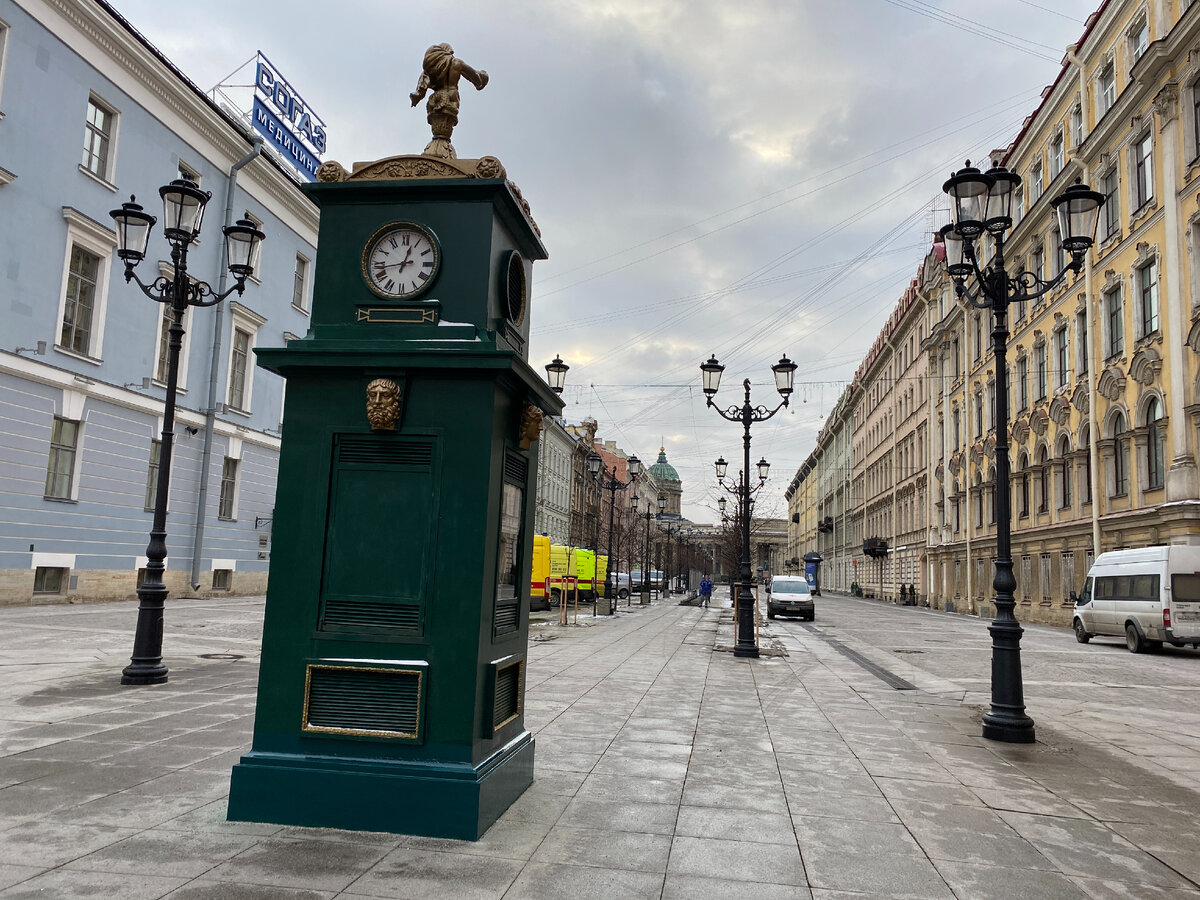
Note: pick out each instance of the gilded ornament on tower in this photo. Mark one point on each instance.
(441, 71)
(383, 404)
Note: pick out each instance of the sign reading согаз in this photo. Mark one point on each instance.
(284, 119)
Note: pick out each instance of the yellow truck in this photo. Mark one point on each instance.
(571, 563)
(539, 572)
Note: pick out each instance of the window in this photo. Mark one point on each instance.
(60, 468)
(241, 361)
(187, 173)
(992, 405)
(1196, 118)
(1116, 323)
(978, 414)
(1155, 445)
(1106, 90)
(1026, 576)
(300, 285)
(1035, 182)
(1023, 383)
(1061, 351)
(1039, 369)
(227, 508)
(83, 272)
(978, 337)
(1044, 561)
(1077, 125)
(3, 53)
(98, 134)
(1064, 483)
(152, 475)
(1143, 170)
(1112, 204)
(1086, 455)
(84, 296)
(1038, 261)
(1081, 342)
(238, 367)
(222, 579)
(957, 361)
(49, 580)
(1148, 292)
(1057, 154)
(1139, 39)
(1068, 573)
(1120, 456)
(162, 347)
(1023, 488)
(1043, 482)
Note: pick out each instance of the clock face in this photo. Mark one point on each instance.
(400, 260)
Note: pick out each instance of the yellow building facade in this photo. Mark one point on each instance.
(1103, 395)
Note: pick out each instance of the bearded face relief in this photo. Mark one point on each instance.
(383, 404)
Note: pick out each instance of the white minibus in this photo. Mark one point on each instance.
(1150, 595)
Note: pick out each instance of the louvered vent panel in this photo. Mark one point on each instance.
(384, 451)
(369, 614)
(507, 617)
(507, 702)
(363, 701)
(515, 469)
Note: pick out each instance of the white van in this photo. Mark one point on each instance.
(790, 595)
(1149, 595)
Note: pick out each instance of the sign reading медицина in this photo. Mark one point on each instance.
(284, 119)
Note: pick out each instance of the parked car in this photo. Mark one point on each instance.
(657, 580)
(1149, 595)
(790, 595)
(622, 585)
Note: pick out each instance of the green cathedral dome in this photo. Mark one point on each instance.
(662, 471)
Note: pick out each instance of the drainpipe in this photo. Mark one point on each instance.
(214, 365)
(1093, 343)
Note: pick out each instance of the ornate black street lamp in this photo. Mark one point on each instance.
(785, 373)
(183, 210)
(556, 374)
(981, 203)
(613, 484)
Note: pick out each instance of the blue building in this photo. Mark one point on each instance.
(91, 113)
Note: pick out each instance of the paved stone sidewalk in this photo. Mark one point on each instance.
(664, 768)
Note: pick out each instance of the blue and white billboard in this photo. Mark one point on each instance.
(282, 117)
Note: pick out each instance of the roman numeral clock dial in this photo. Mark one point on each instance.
(401, 260)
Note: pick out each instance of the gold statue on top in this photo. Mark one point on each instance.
(441, 71)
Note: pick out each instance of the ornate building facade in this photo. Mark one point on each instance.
(1104, 371)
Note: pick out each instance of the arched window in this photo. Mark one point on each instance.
(1120, 456)
(1085, 452)
(1023, 486)
(1064, 486)
(1155, 444)
(1043, 481)
(991, 491)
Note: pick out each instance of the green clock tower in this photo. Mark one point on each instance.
(392, 680)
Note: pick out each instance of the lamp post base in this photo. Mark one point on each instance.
(1010, 729)
(140, 674)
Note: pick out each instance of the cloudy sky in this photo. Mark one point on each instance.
(746, 178)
